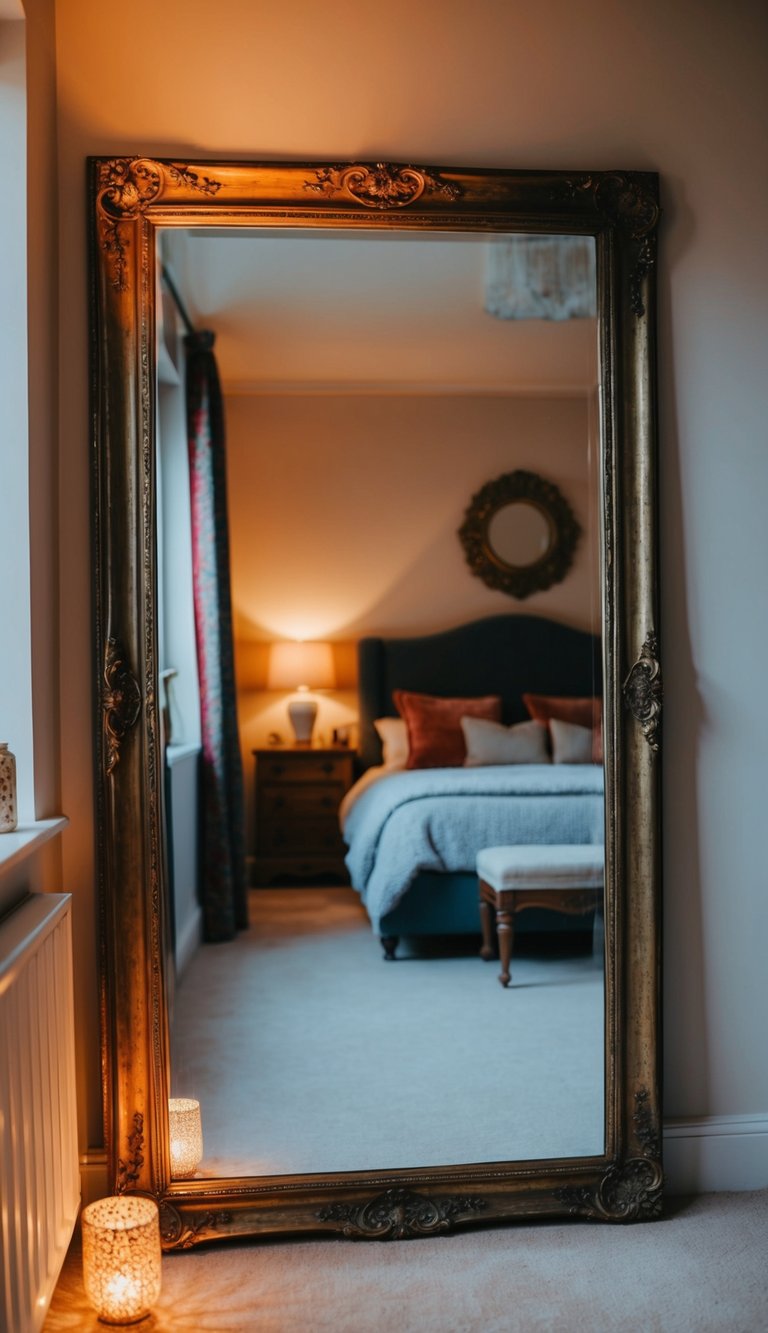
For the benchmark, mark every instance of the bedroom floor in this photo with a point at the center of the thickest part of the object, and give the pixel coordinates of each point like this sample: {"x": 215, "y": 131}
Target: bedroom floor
{"x": 700, "y": 1269}
{"x": 346, "y": 1062}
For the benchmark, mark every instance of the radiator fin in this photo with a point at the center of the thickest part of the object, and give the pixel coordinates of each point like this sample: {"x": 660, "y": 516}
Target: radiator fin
{"x": 40, "y": 1192}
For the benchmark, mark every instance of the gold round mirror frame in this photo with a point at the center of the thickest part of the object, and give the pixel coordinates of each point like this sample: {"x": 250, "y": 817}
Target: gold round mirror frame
{"x": 485, "y": 561}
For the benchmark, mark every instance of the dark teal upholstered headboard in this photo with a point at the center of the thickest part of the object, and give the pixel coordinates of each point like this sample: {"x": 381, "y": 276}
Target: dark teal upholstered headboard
{"x": 505, "y": 655}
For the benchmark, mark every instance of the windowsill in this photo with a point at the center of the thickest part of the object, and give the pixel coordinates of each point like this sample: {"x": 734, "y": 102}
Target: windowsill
{"x": 27, "y": 838}
{"x": 174, "y": 754}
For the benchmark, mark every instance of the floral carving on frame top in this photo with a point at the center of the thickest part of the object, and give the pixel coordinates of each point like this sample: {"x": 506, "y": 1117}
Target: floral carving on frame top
{"x": 127, "y": 186}
{"x": 382, "y": 185}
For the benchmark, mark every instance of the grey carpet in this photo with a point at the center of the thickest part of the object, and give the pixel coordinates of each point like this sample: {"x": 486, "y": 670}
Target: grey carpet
{"x": 309, "y": 1053}
{"x": 700, "y": 1269}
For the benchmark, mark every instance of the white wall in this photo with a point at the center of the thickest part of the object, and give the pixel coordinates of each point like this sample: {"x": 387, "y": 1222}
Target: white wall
{"x": 28, "y": 444}
{"x": 15, "y": 618}
{"x": 672, "y": 85}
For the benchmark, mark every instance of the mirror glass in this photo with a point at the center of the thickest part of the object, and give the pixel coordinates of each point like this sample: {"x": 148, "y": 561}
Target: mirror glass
{"x": 367, "y": 393}
{"x": 519, "y": 534}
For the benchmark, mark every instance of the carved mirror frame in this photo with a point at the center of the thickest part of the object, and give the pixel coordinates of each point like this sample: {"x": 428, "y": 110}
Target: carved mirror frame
{"x": 130, "y": 197}
{"x": 515, "y": 488}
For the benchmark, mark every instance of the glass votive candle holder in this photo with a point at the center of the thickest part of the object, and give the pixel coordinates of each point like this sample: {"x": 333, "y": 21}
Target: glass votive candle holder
{"x": 186, "y": 1136}
{"x": 121, "y": 1257}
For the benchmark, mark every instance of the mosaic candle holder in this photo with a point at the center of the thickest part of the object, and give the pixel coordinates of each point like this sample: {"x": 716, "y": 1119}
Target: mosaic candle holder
{"x": 121, "y": 1257}
{"x": 8, "y": 811}
{"x": 186, "y": 1136}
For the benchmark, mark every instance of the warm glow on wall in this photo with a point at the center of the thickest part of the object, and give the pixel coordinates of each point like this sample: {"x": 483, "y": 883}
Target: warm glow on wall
{"x": 344, "y": 509}
{"x": 301, "y": 666}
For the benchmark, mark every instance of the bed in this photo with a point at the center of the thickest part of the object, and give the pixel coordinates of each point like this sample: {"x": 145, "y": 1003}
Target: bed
{"x": 413, "y": 835}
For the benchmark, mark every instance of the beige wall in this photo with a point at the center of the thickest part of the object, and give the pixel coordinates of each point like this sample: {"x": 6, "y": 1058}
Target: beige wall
{"x": 344, "y": 509}
{"x": 678, "y": 86}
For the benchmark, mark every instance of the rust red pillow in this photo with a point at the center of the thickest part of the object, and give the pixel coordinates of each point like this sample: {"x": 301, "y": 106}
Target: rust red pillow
{"x": 586, "y": 712}
{"x": 435, "y": 737}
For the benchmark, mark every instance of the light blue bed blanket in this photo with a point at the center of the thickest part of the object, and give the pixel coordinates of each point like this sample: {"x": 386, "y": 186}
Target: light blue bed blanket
{"x": 440, "y": 818}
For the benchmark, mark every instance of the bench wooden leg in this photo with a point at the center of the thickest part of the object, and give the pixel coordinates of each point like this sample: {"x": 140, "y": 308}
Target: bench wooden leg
{"x": 505, "y": 930}
{"x": 487, "y": 951}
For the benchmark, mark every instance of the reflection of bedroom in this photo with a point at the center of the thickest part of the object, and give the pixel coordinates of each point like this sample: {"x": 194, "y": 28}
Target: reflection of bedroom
{"x": 345, "y": 498}
{"x": 345, "y": 525}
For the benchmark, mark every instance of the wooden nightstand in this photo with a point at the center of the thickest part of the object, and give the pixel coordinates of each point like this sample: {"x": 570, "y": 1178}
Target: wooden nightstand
{"x": 298, "y": 793}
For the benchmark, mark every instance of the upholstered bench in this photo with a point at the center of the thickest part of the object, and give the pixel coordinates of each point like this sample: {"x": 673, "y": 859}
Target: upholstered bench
{"x": 563, "y": 877}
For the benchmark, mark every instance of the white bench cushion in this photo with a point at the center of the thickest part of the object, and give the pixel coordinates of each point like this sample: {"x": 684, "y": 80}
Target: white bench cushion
{"x": 544, "y": 866}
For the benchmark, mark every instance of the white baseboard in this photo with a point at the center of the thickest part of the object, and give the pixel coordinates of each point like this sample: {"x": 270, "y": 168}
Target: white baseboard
{"x": 93, "y": 1176}
{"x": 716, "y": 1152}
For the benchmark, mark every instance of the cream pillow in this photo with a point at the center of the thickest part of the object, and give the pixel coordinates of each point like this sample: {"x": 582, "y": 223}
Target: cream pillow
{"x": 571, "y": 744}
{"x": 493, "y": 743}
{"x": 393, "y": 734}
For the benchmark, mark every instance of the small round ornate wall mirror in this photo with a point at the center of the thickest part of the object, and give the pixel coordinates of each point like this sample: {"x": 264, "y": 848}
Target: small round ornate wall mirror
{"x": 519, "y": 534}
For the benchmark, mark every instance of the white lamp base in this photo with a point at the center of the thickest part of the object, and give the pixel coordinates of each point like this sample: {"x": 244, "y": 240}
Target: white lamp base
{"x": 302, "y": 713}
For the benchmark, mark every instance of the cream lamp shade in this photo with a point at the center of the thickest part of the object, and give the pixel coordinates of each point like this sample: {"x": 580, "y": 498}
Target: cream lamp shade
{"x": 121, "y": 1257}
{"x": 301, "y": 666}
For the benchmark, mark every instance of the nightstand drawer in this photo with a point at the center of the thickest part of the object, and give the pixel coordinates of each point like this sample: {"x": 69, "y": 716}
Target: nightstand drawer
{"x": 318, "y": 836}
{"x": 298, "y": 794}
{"x": 303, "y": 801}
{"x": 305, "y": 767}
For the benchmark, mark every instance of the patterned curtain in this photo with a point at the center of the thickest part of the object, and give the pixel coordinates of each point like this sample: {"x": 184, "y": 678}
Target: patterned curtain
{"x": 222, "y": 860}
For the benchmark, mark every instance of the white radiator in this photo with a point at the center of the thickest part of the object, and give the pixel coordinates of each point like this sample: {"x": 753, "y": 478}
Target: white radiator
{"x": 39, "y": 1175}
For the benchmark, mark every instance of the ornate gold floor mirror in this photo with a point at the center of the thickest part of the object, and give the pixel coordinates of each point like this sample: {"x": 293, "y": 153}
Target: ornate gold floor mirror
{"x": 132, "y": 200}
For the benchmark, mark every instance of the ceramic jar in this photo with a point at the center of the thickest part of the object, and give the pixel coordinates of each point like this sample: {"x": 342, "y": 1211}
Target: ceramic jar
{"x": 8, "y": 816}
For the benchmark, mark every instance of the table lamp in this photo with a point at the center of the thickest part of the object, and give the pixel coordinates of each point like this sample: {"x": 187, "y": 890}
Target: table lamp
{"x": 301, "y": 666}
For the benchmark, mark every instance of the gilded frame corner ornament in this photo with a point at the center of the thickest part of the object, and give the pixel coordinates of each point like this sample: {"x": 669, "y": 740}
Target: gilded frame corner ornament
{"x": 131, "y": 198}
{"x": 631, "y": 1189}
{"x": 127, "y": 187}
{"x": 517, "y": 487}
{"x": 631, "y": 203}
{"x": 180, "y": 1233}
